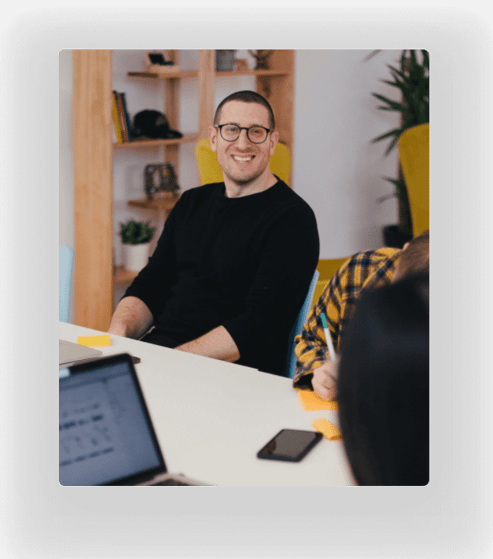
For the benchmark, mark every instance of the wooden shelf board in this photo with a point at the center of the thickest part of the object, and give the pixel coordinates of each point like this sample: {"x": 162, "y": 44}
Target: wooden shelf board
{"x": 187, "y": 138}
{"x": 164, "y": 75}
{"x": 257, "y": 73}
{"x": 121, "y": 275}
{"x": 194, "y": 74}
{"x": 163, "y": 204}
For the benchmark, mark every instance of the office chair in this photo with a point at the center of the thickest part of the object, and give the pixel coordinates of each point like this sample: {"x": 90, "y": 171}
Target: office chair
{"x": 298, "y": 325}
{"x": 65, "y": 267}
{"x": 326, "y": 268}
{"x": 210, "y": 171}
{"x": 414, "y": 154}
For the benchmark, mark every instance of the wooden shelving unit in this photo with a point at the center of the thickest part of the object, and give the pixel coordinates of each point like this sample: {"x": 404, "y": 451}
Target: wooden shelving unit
{"x": 120, "y": 275}
{"x": 187, "y": 138}
{"x": 164, "y": 204}
{"x": 166, "y": 76}
{"x": 95, "y": 274}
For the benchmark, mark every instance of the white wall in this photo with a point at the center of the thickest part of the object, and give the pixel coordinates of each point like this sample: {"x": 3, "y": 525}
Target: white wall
{"x": 336, "y": 168}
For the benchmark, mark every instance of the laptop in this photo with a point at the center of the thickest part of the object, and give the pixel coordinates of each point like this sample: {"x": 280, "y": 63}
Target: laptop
{"x": 69, "y": 353}
{"x": 106, "y": 433}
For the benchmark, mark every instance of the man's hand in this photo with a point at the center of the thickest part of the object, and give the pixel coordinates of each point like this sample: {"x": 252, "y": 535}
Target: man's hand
{"x": 324, "y": 380}
{"x": 217, "y": 344}
{"x": 132, "y": 318}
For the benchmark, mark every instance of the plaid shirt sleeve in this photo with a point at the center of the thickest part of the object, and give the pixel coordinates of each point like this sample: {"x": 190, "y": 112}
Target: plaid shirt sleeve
{"x": 338, "y": 300}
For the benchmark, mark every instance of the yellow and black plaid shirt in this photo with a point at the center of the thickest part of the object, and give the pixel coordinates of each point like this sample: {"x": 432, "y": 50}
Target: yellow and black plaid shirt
{"x": 368, "y": 269}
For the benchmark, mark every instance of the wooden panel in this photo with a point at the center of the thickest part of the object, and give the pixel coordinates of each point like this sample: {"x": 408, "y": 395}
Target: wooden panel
{"x": 278, "y": 89}
{"x": 172, "y": 111}
{"x": 207, "y": 66}
{"x": 93, "y": 175}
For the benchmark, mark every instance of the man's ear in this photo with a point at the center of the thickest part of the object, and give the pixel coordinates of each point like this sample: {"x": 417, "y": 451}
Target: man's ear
{"x": 274, "y": 138}
{"x": 213, "y": 137}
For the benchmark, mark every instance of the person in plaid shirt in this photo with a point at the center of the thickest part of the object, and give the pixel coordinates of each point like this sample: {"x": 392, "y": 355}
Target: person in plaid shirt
{"x": 365, "y": 270}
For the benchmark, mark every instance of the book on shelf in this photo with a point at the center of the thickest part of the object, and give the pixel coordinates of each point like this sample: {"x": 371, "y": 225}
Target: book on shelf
{"x": 121, "y": 118}
{"x": 116, "y": 119}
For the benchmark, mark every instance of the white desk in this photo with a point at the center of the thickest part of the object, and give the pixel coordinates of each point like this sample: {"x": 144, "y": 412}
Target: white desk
{"x": 211, "y": 418}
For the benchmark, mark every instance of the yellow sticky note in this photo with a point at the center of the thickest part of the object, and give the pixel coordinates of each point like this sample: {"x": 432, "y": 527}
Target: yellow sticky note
{"x": 328, "y": 429}
{"x": 312, "y": 402}
{"x": 94, "y": 341}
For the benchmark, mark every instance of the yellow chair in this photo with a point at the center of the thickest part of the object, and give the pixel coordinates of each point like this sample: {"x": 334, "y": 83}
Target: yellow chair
{"x": 210, "y": 171}
{"x": 326, "y": 268}
{"x": 414, "y": 153}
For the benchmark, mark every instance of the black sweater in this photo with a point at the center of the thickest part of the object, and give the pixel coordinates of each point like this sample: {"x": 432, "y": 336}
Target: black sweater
{"x": 243, "y": 263}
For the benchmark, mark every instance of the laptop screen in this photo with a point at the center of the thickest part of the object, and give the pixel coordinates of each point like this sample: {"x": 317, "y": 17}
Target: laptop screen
{"x": 104, "y": 431}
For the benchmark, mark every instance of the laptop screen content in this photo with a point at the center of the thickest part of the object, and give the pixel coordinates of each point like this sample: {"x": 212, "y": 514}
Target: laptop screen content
{"x": 104, "y": 433}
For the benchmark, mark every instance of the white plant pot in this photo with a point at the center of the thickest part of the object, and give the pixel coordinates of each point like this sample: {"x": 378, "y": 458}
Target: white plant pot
{"x": 135, "y": 257}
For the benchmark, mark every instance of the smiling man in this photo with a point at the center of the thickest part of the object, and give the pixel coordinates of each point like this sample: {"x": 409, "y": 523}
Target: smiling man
{"x": 232, "y": 267}
{"x": 243, "y": 153}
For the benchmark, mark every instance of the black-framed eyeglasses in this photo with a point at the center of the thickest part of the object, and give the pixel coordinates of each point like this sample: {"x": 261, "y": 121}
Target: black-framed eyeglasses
{"x": 231, "y": 132}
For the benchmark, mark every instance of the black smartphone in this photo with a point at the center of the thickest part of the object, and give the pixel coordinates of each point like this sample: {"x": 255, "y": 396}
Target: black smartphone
{"x": 290, "y": 445}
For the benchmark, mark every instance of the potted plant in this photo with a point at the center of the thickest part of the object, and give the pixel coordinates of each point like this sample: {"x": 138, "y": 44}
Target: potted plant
{"x": 413, "y": 81}
{"x": 136, "y": 237}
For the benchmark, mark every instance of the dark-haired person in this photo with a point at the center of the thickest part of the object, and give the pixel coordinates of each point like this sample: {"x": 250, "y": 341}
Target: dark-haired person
{"x": 383, "y": 385}
{"x": 363, "y": 271}
{"x": 235, "y": 259}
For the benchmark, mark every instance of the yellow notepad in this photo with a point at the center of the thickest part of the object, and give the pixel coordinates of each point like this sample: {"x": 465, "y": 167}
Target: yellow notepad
{"x": 94, "y": 341}
{"x": 328, "y": 429}
{"x": 312, "y": 402}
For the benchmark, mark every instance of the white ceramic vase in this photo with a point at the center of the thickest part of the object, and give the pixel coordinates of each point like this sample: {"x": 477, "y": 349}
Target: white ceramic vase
{"x": 135, "y": 257}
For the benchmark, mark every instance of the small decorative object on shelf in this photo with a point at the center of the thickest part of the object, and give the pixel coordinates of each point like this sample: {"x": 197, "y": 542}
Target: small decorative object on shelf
{"x": 153, "y": 125}
{"x": 136, "y": 232}
{"x": 261, "y": 56}
{"x": 225, "y": 60}
{"x": 157, "y": 64}
{"x": 160, "y": 177}
{"x": 136, "y": 237}
{"x": 241, "y": 64}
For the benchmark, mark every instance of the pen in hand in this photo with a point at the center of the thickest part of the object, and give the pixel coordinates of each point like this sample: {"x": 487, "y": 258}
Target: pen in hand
{"x": 328, "y": 337}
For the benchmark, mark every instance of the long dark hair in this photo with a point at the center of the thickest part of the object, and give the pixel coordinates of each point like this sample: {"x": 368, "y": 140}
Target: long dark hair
{"x": 383, "y": 385}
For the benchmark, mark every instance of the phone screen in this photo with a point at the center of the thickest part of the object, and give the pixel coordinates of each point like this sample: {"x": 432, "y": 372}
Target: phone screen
{"x": 290, "y": 445}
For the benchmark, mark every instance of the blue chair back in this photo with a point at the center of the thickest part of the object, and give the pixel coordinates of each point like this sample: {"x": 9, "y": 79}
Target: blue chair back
{"x": 298, "y": 325}
{"x": 65, "y": 267}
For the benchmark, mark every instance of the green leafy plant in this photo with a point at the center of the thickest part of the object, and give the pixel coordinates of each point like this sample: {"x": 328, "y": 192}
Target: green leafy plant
{"x": 412, "y": 79}
{"x": 136, "y": 232}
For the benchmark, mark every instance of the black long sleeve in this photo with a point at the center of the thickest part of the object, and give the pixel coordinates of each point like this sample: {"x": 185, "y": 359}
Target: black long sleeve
{"x": 243, "y": 263}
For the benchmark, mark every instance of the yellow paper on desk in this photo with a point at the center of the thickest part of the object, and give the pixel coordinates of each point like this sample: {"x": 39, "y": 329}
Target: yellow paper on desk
{"x": 312, "y": 402}
{"x": 328, "y": 429}
{"x": 94, "y": 341}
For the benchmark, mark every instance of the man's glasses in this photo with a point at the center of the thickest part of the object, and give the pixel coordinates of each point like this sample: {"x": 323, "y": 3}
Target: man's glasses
{"x": 231, "y": 132}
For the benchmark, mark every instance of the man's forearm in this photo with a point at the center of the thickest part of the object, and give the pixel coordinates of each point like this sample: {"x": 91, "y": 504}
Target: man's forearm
{"x": 132, "y": 318}
{"x": 217, "y": 344}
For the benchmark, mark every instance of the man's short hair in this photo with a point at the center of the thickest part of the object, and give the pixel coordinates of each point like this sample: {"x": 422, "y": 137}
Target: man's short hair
{"x": 415, "y": 259}
{"x": 247, "y": 96}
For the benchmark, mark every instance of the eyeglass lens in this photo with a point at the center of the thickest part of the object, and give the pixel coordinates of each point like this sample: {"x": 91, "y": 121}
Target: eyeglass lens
{"x": 231, "y": 132}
